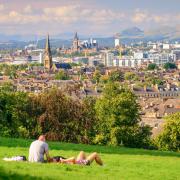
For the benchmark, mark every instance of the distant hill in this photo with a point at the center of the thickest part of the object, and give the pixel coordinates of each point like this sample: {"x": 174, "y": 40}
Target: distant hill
{"x": 132, "y": 32}
{"x": 130, "y": 35}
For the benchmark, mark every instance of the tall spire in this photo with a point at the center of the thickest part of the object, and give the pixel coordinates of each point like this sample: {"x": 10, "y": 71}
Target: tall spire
{"x": 76, "y": 36}
{"x": 76, "y": 43}
{"x": 47, "y": 49}
{"x": 47, "y": 55}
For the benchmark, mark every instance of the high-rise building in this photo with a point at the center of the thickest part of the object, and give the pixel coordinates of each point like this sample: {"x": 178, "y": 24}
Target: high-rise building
{"x": 40, "y": 57}
{"x": 162, "y": 58}
{"x": 117, "y": 42}
{"x": 109, "y": 57}
{"x": 47, "y": 55}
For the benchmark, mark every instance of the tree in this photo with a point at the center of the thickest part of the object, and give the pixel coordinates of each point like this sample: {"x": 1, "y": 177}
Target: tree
{"x": 96, "y": 76}
{"x": 64, "y": 118}
{"x": 116, "y": 76}
{"x": 104, "y": 79}
{"x": 7, "y": 87}
{"x": 90, "y": 119}
{"x": 118, "y": 114}
{"x": 170, "y": 66}
{"x": 61, "y": 75}
{"x": 14, "y": 119}
{"x": 130, "y": 76}
{"x": 152, "y": 66}
{"x": 157, "y": 81}
{"x": 169, "y": 139}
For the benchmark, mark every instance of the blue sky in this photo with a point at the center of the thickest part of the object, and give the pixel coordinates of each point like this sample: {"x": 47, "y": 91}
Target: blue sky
{"x": 93, "y": 17}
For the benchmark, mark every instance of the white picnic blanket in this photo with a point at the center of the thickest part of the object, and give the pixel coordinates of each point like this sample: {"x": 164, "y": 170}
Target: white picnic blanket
{"x": 14, "y": 158}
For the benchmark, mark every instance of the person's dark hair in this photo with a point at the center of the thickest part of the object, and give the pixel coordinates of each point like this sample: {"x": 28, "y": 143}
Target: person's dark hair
{"x": 58, "y": 158}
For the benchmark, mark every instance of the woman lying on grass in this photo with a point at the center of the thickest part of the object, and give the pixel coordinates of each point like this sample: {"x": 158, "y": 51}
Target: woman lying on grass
{"x": 81, "y": 159}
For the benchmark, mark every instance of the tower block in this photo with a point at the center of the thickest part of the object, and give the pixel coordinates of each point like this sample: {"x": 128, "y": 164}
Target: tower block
{"x": 47, "y": 55}
{"x": 118, "y": 44}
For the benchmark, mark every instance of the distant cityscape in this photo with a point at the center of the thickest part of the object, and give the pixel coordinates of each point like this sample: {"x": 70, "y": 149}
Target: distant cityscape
{"x": 142, "y": 66}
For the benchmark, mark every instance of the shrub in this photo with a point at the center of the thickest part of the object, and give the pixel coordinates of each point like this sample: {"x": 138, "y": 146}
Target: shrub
{"x": 170, "y": 66}
{"x": 152, "y": 66}
{"x": 169, "y": 139}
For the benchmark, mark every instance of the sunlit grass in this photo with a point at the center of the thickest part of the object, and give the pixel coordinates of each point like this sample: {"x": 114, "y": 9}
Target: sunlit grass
{"x": 120, "y": 163}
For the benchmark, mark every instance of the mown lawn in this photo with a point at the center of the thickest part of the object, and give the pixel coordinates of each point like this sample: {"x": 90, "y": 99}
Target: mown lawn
{"x": 120, "y": 163}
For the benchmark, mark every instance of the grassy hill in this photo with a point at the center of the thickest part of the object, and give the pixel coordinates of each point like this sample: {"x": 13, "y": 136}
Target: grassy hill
{"x": 120, "y": 163}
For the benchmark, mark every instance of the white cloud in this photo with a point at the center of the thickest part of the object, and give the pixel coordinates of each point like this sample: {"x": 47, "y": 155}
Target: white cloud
{"x": 73, "y": 17}
{"x": 72, "y": 14}
{"x": 2, "y": 7}
{"x": 28, "y": 9}
{"x": 147, "y": 18}
{"x": 140, "y": 16}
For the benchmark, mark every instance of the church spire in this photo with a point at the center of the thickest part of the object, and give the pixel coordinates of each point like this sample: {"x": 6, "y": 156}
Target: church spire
{"x": 76, "y": 36}
{"x": 47, "y": 55}
{"x": 76, "y": 43}
{"x": 47, "y": 49}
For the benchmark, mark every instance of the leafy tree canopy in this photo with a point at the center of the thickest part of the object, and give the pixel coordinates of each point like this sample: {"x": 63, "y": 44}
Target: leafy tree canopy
{"x": 170, "y": 66}
{"x": 169, "y": 139}
{"x": 152, "y": 66}
{"x": 118, "y": 114}
{"x": 62, "y": 75}
{"x": 116, "y": 76}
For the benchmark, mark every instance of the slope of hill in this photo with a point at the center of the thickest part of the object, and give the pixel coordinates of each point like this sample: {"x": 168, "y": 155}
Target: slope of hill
{"x": 127, "y": 36}
{"x": 132, "y": 32}
{"x": 119, "y": 163}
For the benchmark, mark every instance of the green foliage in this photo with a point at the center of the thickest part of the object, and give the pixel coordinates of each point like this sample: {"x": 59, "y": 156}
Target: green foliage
{"x": 116, "y": 76}
{"x": 157, "y": 81}
{"x": 118, "y": 115}
{"x": 62, "y": 75}
{"x": 111, "y": 119}
{"x": 63, "y": 118}
{"x": 151, "y": 79}
{"x": 35, "y": 64}
{"x": 11, "y": 70}
{"x": 152, "y": 66}
{"x": 75, "y": 64}
{"x": 96, "y": 76}
{"x": 170, "y": 66}
{"x": 7, "y": 87}
{"x": 104, "y": 79}
{"x": 89, "y": 120}
{"x": 13, "y": 114}
{"x": 169, "y": 139}
{"x": 130, "y": 76}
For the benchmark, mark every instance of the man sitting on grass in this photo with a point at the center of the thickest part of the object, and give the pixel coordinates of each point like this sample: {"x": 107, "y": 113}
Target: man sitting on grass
{"x": 38, "y": 149}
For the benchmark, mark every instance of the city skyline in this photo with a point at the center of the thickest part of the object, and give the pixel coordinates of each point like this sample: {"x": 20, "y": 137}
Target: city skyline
{"x": 87, "y": 17}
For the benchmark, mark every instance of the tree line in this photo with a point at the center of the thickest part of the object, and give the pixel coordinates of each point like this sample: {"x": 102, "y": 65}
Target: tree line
{"x": 112, "y": 119}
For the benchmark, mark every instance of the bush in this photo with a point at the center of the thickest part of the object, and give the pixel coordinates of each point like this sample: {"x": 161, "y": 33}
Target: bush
{"x": 170, "y": 66}
{"x": 169, "y": 139}
{"x": 62, "y": 75}
{"x": 152, "y": 66}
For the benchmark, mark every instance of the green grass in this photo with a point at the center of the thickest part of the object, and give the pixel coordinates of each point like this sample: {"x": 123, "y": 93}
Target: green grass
{"x": 120, "y": 163}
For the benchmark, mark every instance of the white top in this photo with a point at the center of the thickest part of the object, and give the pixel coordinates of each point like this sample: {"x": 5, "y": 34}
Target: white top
{"x": 37, "y": 151}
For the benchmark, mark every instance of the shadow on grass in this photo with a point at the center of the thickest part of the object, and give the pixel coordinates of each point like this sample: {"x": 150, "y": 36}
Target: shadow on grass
{"x": 11, "y": 142}
{"x": 8, "y": 175}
